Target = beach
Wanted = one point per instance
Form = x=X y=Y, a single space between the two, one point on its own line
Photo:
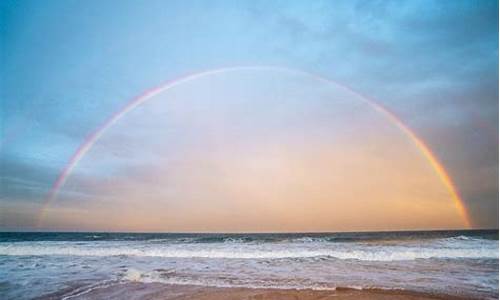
x=156 y=291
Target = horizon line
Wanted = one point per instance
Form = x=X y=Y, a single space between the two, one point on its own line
x=251 y=232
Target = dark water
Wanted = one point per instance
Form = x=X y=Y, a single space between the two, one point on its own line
x=248 y=237
x=460 y=263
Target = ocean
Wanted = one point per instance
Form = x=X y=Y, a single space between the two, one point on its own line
x=70 y=265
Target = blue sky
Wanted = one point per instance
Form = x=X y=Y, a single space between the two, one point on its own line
x=66 y=66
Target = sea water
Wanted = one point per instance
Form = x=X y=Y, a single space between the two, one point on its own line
x=458 y=263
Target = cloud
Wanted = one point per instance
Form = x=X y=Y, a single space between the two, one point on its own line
x=434 y=63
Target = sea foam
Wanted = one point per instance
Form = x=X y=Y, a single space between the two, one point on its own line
x=351 y=251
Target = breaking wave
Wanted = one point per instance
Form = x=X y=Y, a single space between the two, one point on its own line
x=234 y=250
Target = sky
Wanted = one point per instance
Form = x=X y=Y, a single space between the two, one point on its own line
x=67 y=66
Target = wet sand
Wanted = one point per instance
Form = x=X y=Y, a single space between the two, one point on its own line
x=154 y=291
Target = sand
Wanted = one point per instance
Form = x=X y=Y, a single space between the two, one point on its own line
x=154 y=291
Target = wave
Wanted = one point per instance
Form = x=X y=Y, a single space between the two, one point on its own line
x=379 y=253
x=347 y=237
x=461 y=238
x=78 y=292
x=134 y=275
x=308 y=239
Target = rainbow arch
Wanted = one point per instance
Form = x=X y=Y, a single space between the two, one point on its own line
x=94 y=136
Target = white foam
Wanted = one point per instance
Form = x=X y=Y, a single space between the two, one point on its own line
x=87 y=289
x=135 y=275
x=223 y=250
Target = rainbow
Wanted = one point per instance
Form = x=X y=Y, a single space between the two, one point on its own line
x=94 y=136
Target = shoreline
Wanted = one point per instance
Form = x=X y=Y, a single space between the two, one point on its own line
x=155 y=291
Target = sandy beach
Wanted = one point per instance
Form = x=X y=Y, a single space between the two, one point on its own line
x=154 y=291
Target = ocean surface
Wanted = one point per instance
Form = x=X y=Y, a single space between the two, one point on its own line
x=459 y=263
